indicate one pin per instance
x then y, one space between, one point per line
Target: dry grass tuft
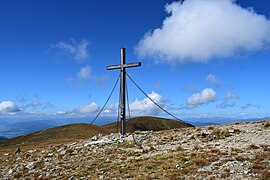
240 158
200 161
265 174
253 146
261 165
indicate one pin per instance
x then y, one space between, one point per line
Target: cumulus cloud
61 113
205 96
90 108
112 109
198 30
146 106
8 107
225 104
84 73
231 95
77 50
213 79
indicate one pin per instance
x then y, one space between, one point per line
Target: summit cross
122 66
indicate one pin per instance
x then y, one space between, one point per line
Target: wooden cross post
122 66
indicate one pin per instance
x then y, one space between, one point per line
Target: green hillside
75 132
148 123
60 134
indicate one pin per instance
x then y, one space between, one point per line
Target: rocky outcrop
234 151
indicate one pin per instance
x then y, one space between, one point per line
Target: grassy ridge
60 134
147 123
74 132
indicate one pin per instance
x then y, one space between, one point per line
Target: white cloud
84 73
112 107
61 113
77 50
225 104
205 96
198 30
213 79
231 95
146 106
90 108
8 107
107 111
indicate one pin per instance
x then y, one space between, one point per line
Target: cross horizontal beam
129 65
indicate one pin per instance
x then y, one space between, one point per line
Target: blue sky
200 58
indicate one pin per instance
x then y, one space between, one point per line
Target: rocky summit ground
233 151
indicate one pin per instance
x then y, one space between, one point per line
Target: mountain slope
73 132
60 134
233 151
148 123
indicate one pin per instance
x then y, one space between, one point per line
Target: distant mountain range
3 138
14 128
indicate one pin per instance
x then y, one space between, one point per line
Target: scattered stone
194 151
30 165
49 155
18 150
10 172
94 138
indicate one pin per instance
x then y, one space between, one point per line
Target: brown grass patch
240 158
265 174
260 163
253 146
